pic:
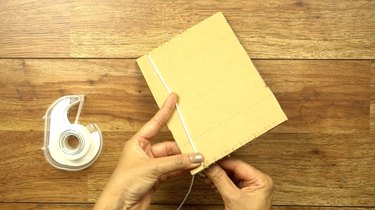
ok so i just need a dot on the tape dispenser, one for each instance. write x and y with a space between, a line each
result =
58 129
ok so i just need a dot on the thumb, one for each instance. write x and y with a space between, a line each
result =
169 164
220 179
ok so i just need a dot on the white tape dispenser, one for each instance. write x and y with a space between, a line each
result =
58 129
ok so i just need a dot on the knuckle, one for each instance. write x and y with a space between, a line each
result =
231 198
169 149
156 171
179 161
269 183
170 108
158 122
217 175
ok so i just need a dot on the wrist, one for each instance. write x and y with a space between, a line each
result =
113 196
109 201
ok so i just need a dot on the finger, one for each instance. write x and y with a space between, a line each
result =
220 179
163 149
152 127
246 175
169 164
173 174
241 169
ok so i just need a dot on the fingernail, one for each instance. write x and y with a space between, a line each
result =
196 158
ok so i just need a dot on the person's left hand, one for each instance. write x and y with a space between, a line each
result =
143 166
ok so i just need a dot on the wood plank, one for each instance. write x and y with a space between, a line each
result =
321 156
26 175
276 29
47 206
372 103
308 169
305 169
317 96
320 96
34 28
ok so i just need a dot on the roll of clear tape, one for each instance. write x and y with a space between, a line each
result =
58 130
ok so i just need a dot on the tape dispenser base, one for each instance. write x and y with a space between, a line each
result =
58 130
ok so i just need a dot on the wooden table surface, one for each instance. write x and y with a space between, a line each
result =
317 56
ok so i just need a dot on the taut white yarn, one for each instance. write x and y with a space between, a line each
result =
177 107
188 192
183 124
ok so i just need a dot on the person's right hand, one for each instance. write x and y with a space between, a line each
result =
241 186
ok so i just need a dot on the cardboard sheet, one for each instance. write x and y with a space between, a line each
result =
222 98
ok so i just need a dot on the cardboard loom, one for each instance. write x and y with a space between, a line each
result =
223 100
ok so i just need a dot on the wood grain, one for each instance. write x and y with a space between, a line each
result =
35 28
317 96
320 159
372 104
127 29
304 167
324 150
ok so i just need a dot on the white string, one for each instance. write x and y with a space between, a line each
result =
188 192
177 107
183 124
